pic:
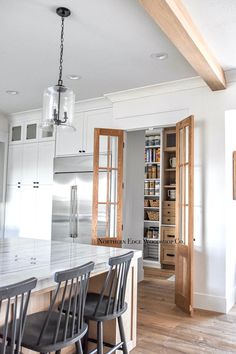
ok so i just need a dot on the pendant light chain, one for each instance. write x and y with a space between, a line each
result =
60 82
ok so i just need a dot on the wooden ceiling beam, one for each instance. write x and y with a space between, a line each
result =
175 21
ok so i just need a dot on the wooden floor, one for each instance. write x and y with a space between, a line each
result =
162 328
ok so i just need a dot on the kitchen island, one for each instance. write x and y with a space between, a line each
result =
24 258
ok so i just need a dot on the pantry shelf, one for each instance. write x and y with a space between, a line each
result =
152 146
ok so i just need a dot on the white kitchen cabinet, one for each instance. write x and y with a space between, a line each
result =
81 141
30 163
28 226
28 212
96 119
70 142
15 161
13 212
43 212
45 162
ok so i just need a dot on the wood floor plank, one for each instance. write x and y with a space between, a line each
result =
163 328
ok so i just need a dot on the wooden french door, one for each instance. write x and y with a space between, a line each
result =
108 187
184 214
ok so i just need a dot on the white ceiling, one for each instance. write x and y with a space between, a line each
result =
107 42
216 19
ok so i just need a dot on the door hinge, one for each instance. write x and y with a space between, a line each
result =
123 185
123 145
122 227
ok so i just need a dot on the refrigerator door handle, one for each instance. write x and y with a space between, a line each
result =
73 212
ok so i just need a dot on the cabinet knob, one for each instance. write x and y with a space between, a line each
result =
80 151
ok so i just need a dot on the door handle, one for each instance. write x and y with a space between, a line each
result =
73 212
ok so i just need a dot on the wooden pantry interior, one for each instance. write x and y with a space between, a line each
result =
159 197
150 182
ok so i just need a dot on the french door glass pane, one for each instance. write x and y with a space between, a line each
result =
102 187
187 144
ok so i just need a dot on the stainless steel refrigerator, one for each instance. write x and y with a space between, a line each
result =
72 199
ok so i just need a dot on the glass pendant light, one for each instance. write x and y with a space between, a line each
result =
59 100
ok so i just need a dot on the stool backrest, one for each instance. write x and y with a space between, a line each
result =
115 285
72 284
14 300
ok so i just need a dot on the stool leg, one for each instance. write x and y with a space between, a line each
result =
100 337
79 349
85 342
122 335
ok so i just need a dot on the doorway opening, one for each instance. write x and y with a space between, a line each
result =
159 204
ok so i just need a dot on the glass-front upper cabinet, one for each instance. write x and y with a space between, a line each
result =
16 134
29 132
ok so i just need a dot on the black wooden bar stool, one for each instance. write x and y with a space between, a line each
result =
14 300
52 330
110 303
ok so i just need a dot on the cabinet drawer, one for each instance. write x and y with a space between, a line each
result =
168 220
168 212
167 204
168 234
168 254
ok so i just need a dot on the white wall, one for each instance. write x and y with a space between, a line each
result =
230 207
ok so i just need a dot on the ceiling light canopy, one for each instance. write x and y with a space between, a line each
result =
59 100
159 56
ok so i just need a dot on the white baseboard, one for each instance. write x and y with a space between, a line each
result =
210 302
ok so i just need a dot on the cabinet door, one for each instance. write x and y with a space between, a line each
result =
45 162
15 160
70 142
43 212
93 120
31 132
30 162
28 227
13 211
16 133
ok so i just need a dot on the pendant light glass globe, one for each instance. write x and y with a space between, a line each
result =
58 107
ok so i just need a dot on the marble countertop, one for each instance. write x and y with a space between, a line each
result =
23 258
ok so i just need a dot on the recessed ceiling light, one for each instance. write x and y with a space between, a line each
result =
74 77
159 56
12 92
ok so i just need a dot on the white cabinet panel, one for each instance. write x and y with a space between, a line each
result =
70 142
96 119
45 162
30 161
28 227
13 212
15 160
43 212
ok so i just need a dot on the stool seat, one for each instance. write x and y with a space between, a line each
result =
34 325
103 313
